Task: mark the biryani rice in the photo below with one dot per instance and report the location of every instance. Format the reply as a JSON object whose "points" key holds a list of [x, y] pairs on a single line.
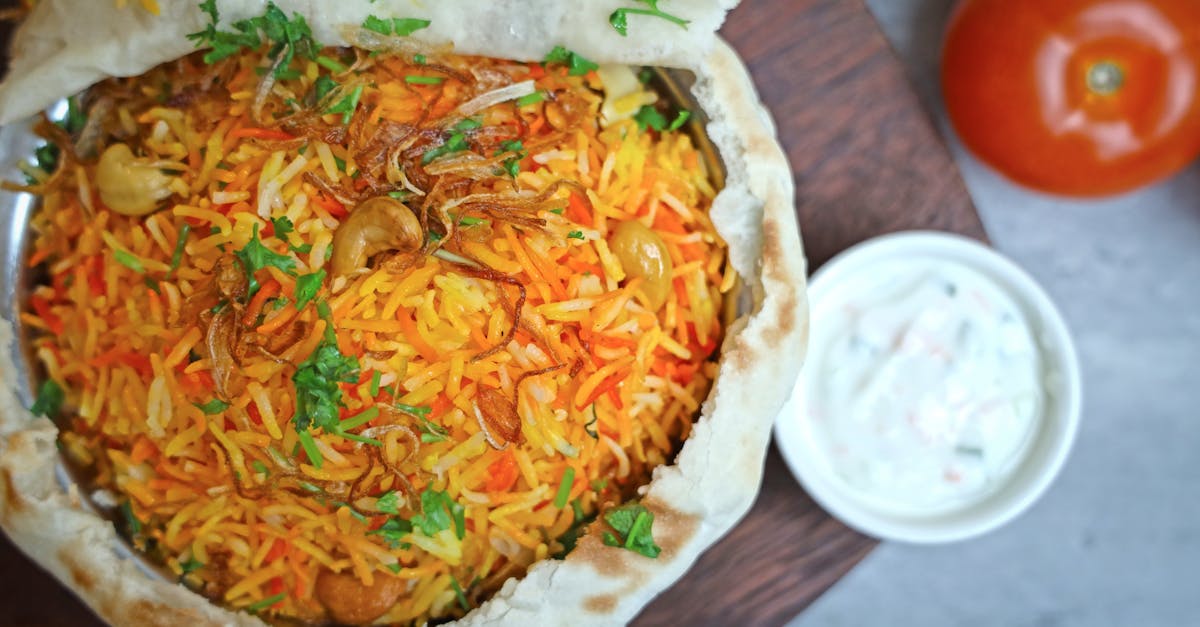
{"points": [[229, 499]]}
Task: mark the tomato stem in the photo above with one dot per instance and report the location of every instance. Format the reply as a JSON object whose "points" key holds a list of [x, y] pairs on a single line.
{"points": [[1105, 78]]}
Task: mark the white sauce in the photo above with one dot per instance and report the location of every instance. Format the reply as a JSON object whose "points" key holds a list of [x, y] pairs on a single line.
{"points": [[923, 385]]}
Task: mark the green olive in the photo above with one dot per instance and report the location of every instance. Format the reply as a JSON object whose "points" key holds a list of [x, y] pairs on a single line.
{"points": [[643, 254]]}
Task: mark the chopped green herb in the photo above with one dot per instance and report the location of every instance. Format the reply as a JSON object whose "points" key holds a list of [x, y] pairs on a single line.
{"points": [[405, 26], [681, 118], [290, 37], [75, 119], [599, 485], [468, 124], [393, 532], [331, 64], [400, 26], [180, 244], [412, 410], [132, 525], [152, 284], [619, 18], [431, 432], [322, 86], [318, 395], [308, 487], [648, 117], [458, 593], [632, 523], [512, 165], [254, 257], [424, 80], [259, 606], [570, 537], [534, 98], [49, 399], [389, 503], [375, 378], [438, 513], [419, 59], [576, 64], [456, 143], [310, 448], [260, 468], [558, 212], [374, 24], [213, 407], [645, 75], [129, 260], [191, 565], [395, 568], [347, 105], [564, 487], [575, 235], [307, 286], [367, 415]]}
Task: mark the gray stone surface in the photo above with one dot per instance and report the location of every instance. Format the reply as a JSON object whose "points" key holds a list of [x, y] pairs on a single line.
{"points": [[1116, 541]]}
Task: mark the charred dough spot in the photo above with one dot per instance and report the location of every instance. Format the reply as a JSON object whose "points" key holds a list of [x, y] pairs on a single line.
{"points": [[80, 575], [603, 604], [672, 528], [11, 496]]}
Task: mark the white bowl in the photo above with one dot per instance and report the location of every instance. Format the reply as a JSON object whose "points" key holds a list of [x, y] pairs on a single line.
{"points": [[1043, 457]]}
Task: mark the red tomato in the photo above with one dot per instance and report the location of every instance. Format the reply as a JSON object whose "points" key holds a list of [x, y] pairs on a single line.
{"points": [[1076, 97]]}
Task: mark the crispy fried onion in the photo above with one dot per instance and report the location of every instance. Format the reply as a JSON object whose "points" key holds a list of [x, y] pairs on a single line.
{"points": [[498, 418]]}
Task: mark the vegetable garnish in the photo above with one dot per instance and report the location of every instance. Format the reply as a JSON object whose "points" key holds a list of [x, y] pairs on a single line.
{"points": [[254, 257], [570, 537], [564, 487], [438, 513], [577, 65], [619, 18], [432, 432], [400, 26], [534, 98], [49, 399], [512, 165], [393, 531], [307, 286], [180, 244], [129, 260], [632, 523], [289, 37], [458, 593], [388, 503], [191, 565], [213, 407], [318, 394], [265, 603], [424, 80], [347, 105], [649, 118]]}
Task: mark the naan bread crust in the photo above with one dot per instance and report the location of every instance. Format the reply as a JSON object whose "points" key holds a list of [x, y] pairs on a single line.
{"points": [[695, 501]]}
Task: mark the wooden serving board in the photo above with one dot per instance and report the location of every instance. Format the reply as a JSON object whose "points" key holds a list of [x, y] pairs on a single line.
{"points": [[867, 161]]}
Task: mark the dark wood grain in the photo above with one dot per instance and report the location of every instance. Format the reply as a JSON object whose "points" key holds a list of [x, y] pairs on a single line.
{"points": [[867, 161]]}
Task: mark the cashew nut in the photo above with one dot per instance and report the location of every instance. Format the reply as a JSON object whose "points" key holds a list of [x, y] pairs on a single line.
{"points": [[378, 225], [642, 253], [128, 185]]}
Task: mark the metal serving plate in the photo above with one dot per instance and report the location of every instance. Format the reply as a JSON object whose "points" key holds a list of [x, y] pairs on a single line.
{"points": [[17, 144]]}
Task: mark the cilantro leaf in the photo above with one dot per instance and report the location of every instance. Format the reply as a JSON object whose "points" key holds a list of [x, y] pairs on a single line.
{"points": [[649, 118], [577, 65], [393, 532], [681, 118], [619, 19], [289, 37], [322, 86], [405, 26], [575, 235], [376, 25], [632, 523], [318, 395], [191, 565], [438, 513], [49, 399], [307, 286], [254, 257], [389, 503], [213, 407]]}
